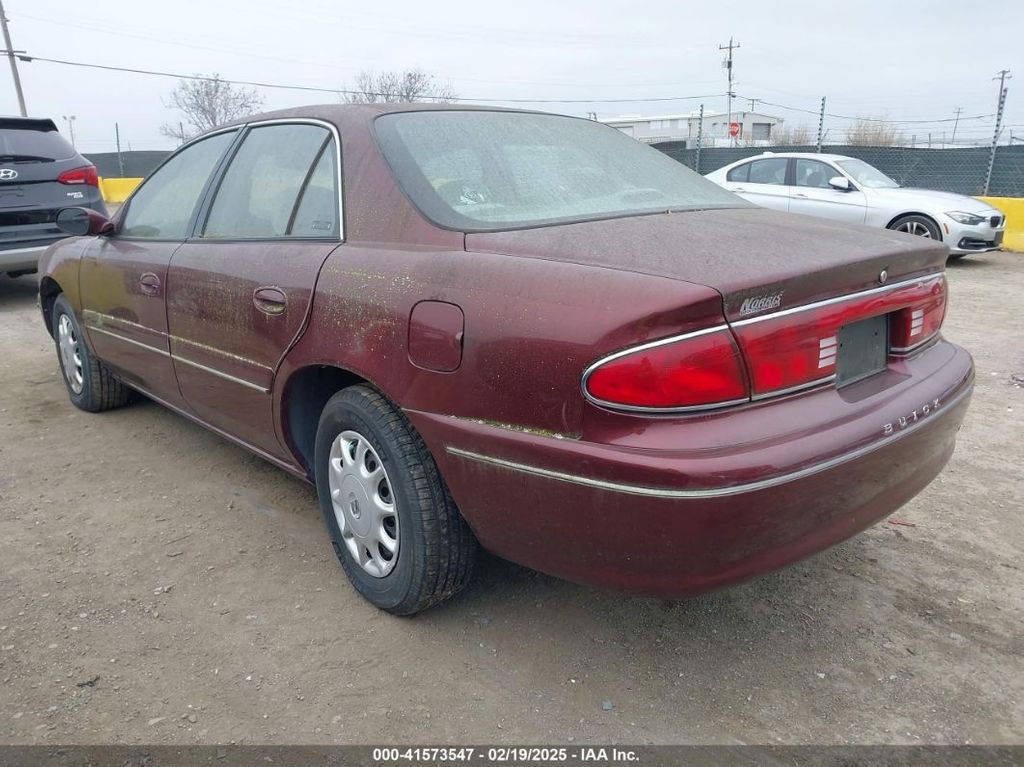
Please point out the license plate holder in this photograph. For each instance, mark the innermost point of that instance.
(863, 349)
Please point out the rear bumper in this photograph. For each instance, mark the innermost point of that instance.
(21, 259)
(674, 522)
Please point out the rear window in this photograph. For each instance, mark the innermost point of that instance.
(33, 144)
(487, 171)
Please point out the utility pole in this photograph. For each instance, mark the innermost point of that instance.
(956, 122)
(117, 139)
(13, 60)
(1001, 106)
(70, 120)
(821, 124)
(753, 103)
(729, 94)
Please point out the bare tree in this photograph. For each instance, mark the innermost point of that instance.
(207, 103)
(798, 135)
(873, 132)
(393, 86)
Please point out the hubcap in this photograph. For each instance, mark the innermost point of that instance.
(70, 356)
(916, 228)
(364, 505)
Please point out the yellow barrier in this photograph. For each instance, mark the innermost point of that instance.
(1013, 207)
(116, 190)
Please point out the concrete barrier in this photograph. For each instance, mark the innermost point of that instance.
(116, 190)
(1013, 207)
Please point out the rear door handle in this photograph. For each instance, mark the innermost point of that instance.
(149, 283)
(270, 300)
(738, 189)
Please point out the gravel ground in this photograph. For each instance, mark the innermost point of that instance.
(160, 585)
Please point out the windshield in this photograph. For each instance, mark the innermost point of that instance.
(486, 171)
(867, 175)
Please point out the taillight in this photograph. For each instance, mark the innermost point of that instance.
(694, 371)
(913, 326)
(798, 348)
(86, 175)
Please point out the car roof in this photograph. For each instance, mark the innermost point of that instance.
(339, 113)
(813, 155)
(31, 123)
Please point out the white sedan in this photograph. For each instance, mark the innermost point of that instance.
(848, 189)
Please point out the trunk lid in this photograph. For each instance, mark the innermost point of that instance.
(758, 260)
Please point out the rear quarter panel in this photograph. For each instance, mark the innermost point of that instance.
(531, 327)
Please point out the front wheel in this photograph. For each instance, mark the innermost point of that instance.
(392, 522)
(921, 226)
(90, 384)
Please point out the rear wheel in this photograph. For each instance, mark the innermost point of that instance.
(392, 522)
(90, 384)
(921, 226)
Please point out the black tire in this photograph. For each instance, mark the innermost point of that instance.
(100, 389)
(917, 225)
(436, 551)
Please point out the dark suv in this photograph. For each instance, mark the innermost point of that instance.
(40, 173)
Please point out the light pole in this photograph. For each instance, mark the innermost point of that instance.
(70, 120)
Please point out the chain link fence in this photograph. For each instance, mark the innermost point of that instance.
(960, 170)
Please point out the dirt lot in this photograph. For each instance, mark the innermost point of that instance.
(162, 586)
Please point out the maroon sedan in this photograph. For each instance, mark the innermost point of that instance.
(517, 331)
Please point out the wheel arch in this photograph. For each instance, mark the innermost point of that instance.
(906, 213)
(49, 289)
(303, 396)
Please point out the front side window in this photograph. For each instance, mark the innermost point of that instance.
(814, 173)
(259, 195)
(487, 171)
(162, 208)
(867, 175)
(771, 171)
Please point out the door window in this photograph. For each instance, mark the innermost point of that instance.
(317, 212)
(814, 173)
(259, 195)
(162, 208)
(771, 171)
(739, 173)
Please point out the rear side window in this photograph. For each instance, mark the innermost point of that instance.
(33, 145)
(162, 207)
(259, 196)
(771, 171)
(316, 215)
(739, 173)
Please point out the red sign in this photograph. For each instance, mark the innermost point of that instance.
(734, 129)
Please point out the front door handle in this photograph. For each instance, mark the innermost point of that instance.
(149, 284)
(270, 300)
(738, 189)
(804, 196)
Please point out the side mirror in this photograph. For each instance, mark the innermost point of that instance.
(83, 221)
(841, 183)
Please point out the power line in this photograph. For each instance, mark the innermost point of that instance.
(817, 112)
(344, 91)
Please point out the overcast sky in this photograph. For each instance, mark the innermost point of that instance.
(898, 59)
